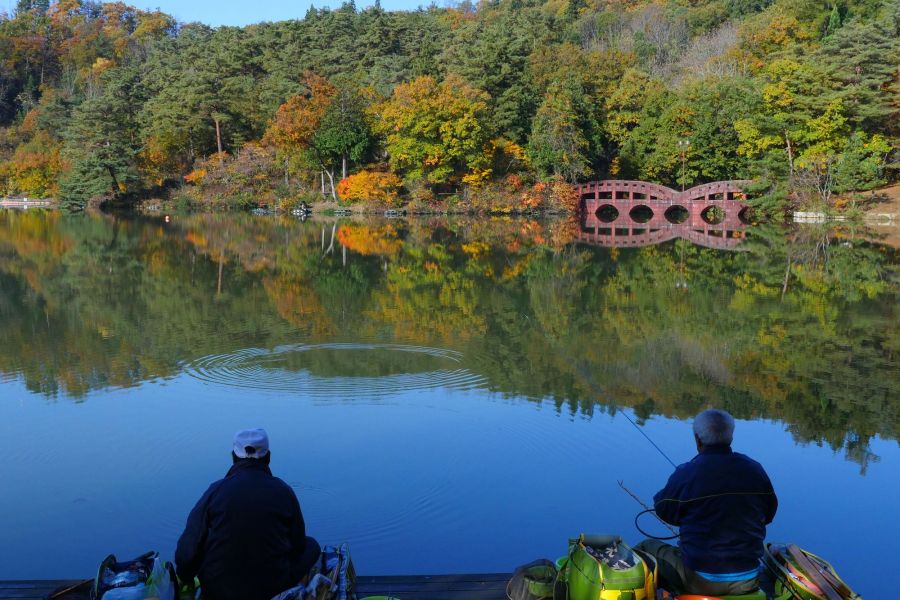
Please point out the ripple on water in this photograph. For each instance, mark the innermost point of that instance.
(338, 370)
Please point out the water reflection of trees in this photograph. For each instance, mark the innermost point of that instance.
(796, 325)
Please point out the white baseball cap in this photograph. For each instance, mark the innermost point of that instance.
(251, 443)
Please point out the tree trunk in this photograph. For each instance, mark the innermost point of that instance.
(219, 141)
(115, 181)
(287, 180)
(787, 270)
(331, 245)
(344, 167)
(331, 181)
(322, 174)
(790, 152)
(221, 268)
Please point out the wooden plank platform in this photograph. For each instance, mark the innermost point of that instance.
(30, 589)
(489, 586)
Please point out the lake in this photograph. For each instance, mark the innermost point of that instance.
(446, 395)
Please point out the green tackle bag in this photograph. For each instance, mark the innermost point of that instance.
(603, 567)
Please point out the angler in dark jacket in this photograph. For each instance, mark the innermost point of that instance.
(722, 502)
(246, 538)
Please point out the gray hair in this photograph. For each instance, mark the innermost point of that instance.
(714, 427)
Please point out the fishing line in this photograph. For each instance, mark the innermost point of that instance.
(643, 433)
(719, 495)
(596, 390)
(650, 535)
(652, 511)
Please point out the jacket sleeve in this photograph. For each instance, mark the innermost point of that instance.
(771, 503)
(189, 553)
(667, 502)
(297, 533)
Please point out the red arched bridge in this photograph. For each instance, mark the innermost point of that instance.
(638, 213)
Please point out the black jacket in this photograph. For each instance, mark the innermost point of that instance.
(245, 536)
(722, 501)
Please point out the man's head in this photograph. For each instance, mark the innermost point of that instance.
(251, 443)
(713, 427)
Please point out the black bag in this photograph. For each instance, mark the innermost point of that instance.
(144, 577)
(332, 578)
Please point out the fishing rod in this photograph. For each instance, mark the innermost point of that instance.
(646, 510)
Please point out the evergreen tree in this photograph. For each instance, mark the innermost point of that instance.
(343, 134)
(102, 142)
(492, 54)
(863, 58)
(558, 144)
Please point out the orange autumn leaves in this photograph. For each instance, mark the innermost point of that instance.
(34, 168)
(297, 120)
(370, 186)
(370, 240)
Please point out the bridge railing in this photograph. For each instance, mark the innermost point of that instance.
(630, 190)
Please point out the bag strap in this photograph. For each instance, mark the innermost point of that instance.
(813, 572)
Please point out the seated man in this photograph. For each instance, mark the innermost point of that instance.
(722, 501)
(246, 538)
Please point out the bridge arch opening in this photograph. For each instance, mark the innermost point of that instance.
(745, 215)
(677, 214)
(607, 213)
(641, 213)
(713, 215)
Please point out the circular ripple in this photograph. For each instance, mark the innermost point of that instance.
(338, 370)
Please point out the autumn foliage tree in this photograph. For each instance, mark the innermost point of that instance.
(436, 132)
(35, 167)
(293, 129)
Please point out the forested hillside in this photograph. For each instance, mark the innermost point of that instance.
(495, 106)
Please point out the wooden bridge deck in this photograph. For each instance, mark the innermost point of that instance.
(491, 586)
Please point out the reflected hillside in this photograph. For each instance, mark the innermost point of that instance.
(796, 325)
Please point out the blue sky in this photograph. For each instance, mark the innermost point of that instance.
(242, 12)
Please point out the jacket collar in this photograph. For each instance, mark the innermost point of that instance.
(249, 464)
(717, 449)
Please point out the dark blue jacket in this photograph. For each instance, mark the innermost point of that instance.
(722, 501)
(245, 536)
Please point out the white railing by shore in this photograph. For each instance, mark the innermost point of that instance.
(26, 203)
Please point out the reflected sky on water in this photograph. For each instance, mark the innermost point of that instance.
(444, 395)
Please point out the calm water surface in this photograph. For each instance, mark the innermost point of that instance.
(447, 396)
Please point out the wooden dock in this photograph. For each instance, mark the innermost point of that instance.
(491, 586)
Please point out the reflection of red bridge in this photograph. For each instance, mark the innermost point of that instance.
(637, 213)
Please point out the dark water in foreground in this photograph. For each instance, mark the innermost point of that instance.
(447, 396)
